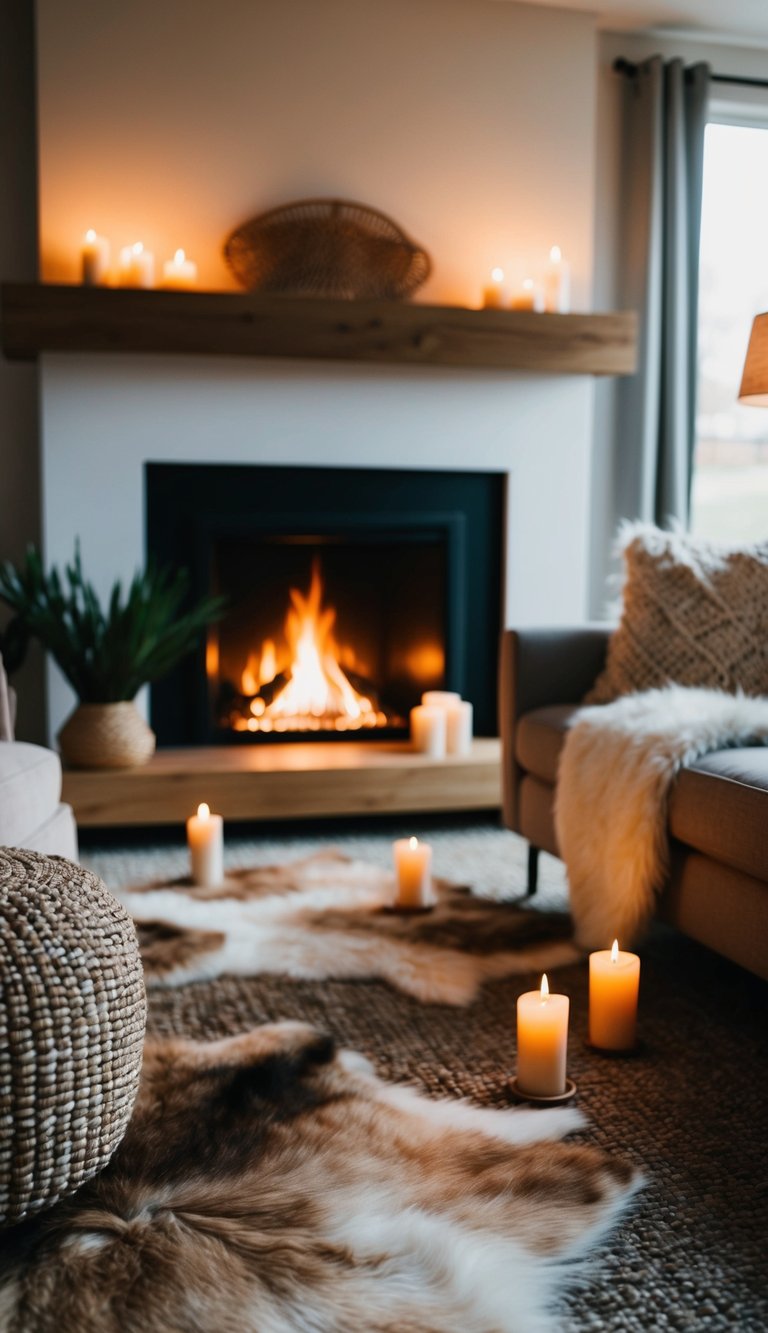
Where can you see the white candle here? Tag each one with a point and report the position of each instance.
(429, 730)
(413, 873)
(137, 266)
(542, 1042)
(95, 259)
(614, 981)
(557, 283)
(179, 272)
(458, 723)
(440, 698)
(495, 292)
(205, 837)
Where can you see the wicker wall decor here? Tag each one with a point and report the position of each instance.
(72, 1016)
(326, 247)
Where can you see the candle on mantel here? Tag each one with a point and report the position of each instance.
(528, 298)
(542, 1041)
(95, 259)
(429, 730)
(205, 838)
(458, 719)
(413, 874)
(137, 266)
(180, 272)
(495, 293)
(614, 982)
(557, 283)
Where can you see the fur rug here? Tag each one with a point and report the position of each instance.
(270, 1183)
(616, 769)
(329, 917)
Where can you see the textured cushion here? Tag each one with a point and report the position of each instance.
(719, 806)
(539, 737)
(694, 614)
(30, 787)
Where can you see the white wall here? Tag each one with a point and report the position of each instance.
(471, 122)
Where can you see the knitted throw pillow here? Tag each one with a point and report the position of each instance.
(694, 613)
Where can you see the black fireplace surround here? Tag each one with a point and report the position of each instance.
(410, 561)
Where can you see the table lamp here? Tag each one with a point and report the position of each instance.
(754, 380)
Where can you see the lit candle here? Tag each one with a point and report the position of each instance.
(413, 874)
(529, 297)
(495, 293)
(95, 259)
(440, 698)
(137, 266)
(557, 283)
(429, 730)
(614, 980)
(179, 272)
(542, 1042)
(205, 838)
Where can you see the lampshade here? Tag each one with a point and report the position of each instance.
(754, 380)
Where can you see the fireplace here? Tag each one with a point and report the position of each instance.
(349, 593)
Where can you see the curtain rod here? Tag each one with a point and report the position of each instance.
(628, 67)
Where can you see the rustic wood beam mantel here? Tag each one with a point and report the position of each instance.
(47, 318)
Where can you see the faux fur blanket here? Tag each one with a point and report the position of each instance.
(268, 1182)
(616, 769)
(328, 916)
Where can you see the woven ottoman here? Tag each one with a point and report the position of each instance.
(72, 1017)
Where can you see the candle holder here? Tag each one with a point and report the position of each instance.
(520, 1096)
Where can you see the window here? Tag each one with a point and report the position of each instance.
(730, 479)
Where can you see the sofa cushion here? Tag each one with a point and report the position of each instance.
(539, 737)
(719, 806)
(30, 787)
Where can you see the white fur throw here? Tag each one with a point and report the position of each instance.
(616, 769)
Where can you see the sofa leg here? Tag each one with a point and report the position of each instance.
(533, 870)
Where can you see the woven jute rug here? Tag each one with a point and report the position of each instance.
(331, 916)
(691, 1112)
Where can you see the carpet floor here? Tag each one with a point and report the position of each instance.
(691, 1110)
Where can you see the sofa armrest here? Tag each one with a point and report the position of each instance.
(540, 667)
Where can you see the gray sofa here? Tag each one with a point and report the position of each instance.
(31, 812)
(718, 812)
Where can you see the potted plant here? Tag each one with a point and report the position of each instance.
(106, 653)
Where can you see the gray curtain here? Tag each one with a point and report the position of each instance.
(665, 114)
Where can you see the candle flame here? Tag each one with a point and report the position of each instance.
(544, 986)
(179, 256)
(203, 811)
(137, 248)
(413, 843)
(90, 236)
(555, 254)
(615, 951)
(497, 274)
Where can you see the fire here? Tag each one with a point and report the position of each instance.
(311, 689)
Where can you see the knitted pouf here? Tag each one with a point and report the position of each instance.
(72, 1016)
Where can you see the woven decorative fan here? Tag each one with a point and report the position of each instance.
(326, 247)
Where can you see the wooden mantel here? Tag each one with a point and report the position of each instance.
(46, 318)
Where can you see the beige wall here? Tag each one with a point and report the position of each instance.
(469, 121)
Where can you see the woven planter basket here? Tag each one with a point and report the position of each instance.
(72, 1016)
(106, 736)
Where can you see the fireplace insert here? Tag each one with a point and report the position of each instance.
(349, 593)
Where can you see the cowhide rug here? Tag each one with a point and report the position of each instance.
(269, 1183)
(330, 917)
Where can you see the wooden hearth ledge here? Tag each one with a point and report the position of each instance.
(289, 781)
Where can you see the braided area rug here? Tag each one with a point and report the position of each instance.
(691, 1112)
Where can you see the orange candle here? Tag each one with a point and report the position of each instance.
(495, 293)
(180, 272)
(542, 1041)
(95, 259)
(413, 873)
(614, 980)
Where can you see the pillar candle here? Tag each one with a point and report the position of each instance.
(458, 722)
(95, 259)
(205, 838)
(440, 698)
(179, 272)
(429, 730)
(542, 1042)
(557, 283)
(529, 297)
(413, 873)
(137, 266)
(614, 980)
(495, 292)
